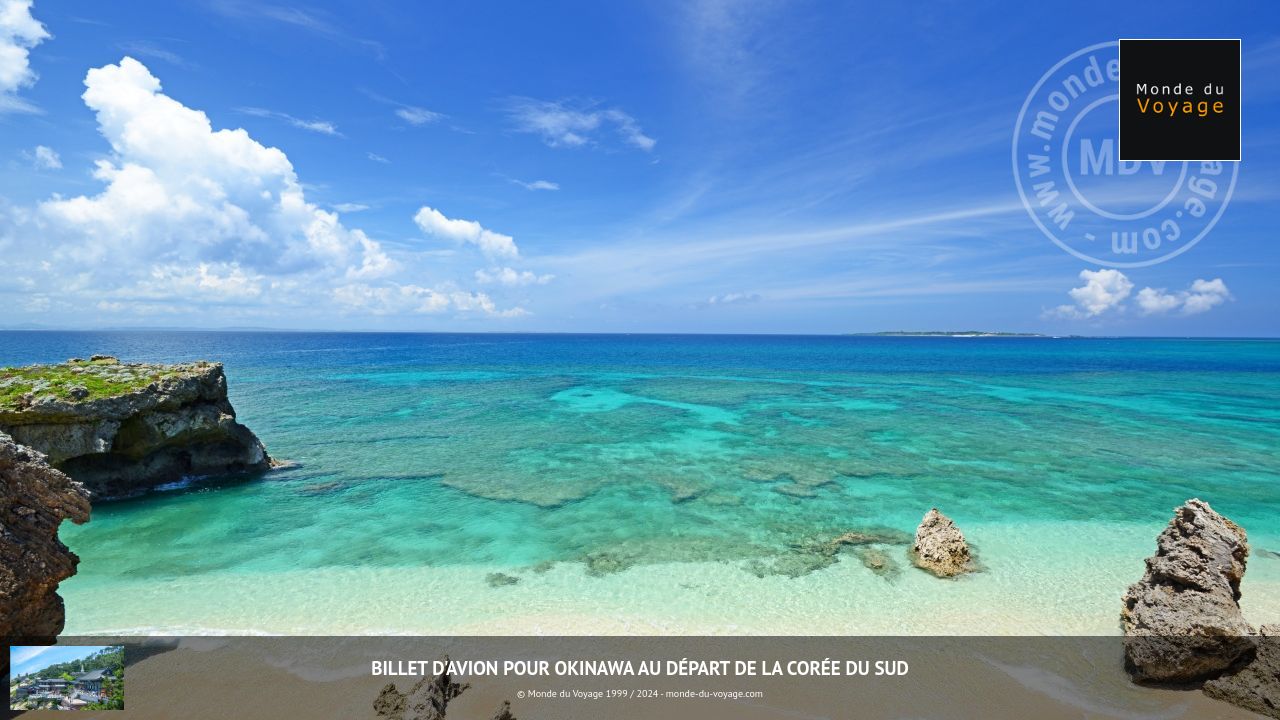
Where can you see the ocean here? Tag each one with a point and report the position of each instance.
(672, 484)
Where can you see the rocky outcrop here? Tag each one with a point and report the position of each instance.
(428, 699)
(1182, 621)
(34, 500)
(1257, 686)
(121, 429)
(940, 547)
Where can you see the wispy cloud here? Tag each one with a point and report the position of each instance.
(143, 48)
(43, 158)
(324, 127)
(536, 184)
(377, 158)
(568, 124)
(511, 277)
(350, 207)
(311, 20)
(417, 115)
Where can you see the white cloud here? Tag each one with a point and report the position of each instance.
(19, 32)
(493, 245)
(350, 207)
(560, 125)
(43, 158)
(396, 299)
(1203, 296)
(324, 127)
(537, 184)
(178, 190)
(417, 116)
(1103, 290)
(377, 158)
(733, 298)
(209, 223)
(511, 277)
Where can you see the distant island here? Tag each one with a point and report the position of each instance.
(949, 333)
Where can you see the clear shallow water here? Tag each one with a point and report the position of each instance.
(681, 483)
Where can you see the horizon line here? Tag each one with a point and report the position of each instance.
(928, 334)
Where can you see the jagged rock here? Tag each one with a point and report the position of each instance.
(34, 500)
(940, 547)
(122, 429)
(428, 699)
(504, 712)
(1257, 686)
(1182, 621)
(389, 703)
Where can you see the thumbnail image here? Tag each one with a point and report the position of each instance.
(66, 677)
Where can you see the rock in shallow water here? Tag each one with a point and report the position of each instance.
(1182, 621)
(34, 500)
(940, 547)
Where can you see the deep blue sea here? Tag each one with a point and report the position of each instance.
(469, 483)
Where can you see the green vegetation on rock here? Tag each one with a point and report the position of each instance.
(76, 381)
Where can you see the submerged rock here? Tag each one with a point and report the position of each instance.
(498, 579)
(877, 561)
(1182, 621)
(1257, 686)
(121, 429)
(940, 547)
(34, 500)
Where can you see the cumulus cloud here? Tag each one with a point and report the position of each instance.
(511, 277)
(417, 116)
(19, 32)
(1202, 296)
(1107, 290)
(176, 189)
(493, 245)
(193, 219)
(324, 127)
(561, 125)
(1103, 290)
(43, 158)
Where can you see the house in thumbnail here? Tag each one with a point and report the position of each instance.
(91, 682)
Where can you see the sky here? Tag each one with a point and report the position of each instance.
(701, 166)
(25, 659)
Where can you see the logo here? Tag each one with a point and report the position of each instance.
(1082, 196)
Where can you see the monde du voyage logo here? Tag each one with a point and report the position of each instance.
(1131, 164)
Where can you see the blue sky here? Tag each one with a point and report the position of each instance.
(30, 658)
(601, 167)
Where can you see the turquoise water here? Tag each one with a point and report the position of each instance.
(681, 484)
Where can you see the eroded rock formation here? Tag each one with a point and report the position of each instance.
(121, 429)
(1182, 620)
(34, 500)
(428, 699)
(1257, 686)
(940, 547)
